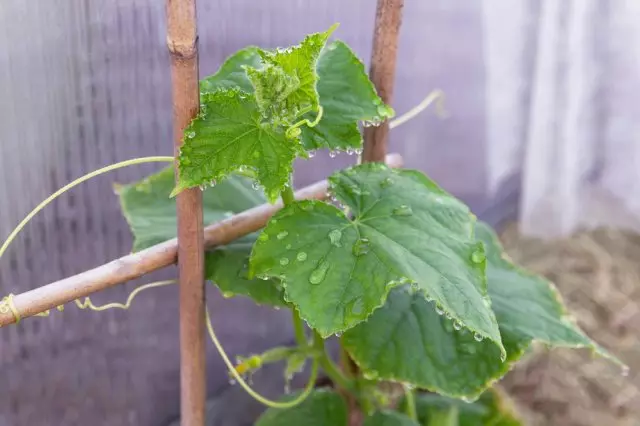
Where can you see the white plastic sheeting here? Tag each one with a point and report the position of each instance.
(563, 83)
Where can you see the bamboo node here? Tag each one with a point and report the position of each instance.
(183, 50)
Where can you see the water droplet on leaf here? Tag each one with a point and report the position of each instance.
(477, 256)
(227, 294)
(311, 154)
(403, 210)
(302, 256)
(439, 310)
(255, 185)
(478, 337)
(360, 247)
(333, 154)
(284, 261)
(318, 274)
(282, 235)
(191, 134)
(335, 236)
(457, 325)
(263, 237)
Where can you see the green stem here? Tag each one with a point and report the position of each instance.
(410, 403)
(329, 367)
(298, 328)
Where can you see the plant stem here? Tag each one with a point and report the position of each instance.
(298, 328)
(410, 403)
(329, 367)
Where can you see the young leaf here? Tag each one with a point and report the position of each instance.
(526, 308)
(389, 418)
(232, 72)
(321, 408)
(228, 135)
(151, 214)
(405, 228)
(287, 84)
(347, 97)
(227, 269)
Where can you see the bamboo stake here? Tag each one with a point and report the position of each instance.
(157, 257)
(382, 72)
(182, 43)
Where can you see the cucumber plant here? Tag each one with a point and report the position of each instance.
(419, 294)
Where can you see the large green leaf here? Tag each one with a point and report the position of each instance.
(227, 268)
(492, 408)
(407, 341)
(405, 228)
(286, 86)
(227, 136)
(526, 307)
(232, 72)
(389, 418)
(321, 408)
(151, 214)
(347, 96)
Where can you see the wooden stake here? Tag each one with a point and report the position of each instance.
(382, 72)
(183, 49)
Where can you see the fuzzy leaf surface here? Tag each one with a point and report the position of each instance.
(286, 84)
(406, 340)
(405, 228)
(389, 418)
(228, 135)
(227, 269)
(347, 96)
(321, 408)
(231, 73)
(151, 214)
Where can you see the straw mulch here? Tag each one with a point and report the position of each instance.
(598, 274)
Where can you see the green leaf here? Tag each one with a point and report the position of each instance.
(227, 268)
(286, 86)
(321, 408)
(227, 136)
(405, 228)
(407, 341)
(151, 214)
(347, 97)
(526, 308)
(493, 408)
(389, 418)
(232, 72)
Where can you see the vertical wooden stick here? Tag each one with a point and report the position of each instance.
(382, 72)
(182, 44)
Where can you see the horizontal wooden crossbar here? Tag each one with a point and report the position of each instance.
(151, 259)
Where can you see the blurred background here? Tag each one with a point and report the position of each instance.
(541, 140)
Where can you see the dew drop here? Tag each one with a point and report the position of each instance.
(263, 237)
(477, 337)
(333, 154)
(288, 247)
(457, 325)
(311, 154)
(335, 236)
(318, 274)
(439, 310)
(284, 261)
(302, 256)
(255, 185)
(358, 151)
(386, 182)
(282, 235)
(360, 247)
(191, 134)
(350, 151)
(227, 294)
(403, 210)
(477, 256)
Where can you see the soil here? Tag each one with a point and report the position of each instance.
(598, 274)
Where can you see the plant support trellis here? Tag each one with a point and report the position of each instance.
(401, 262)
